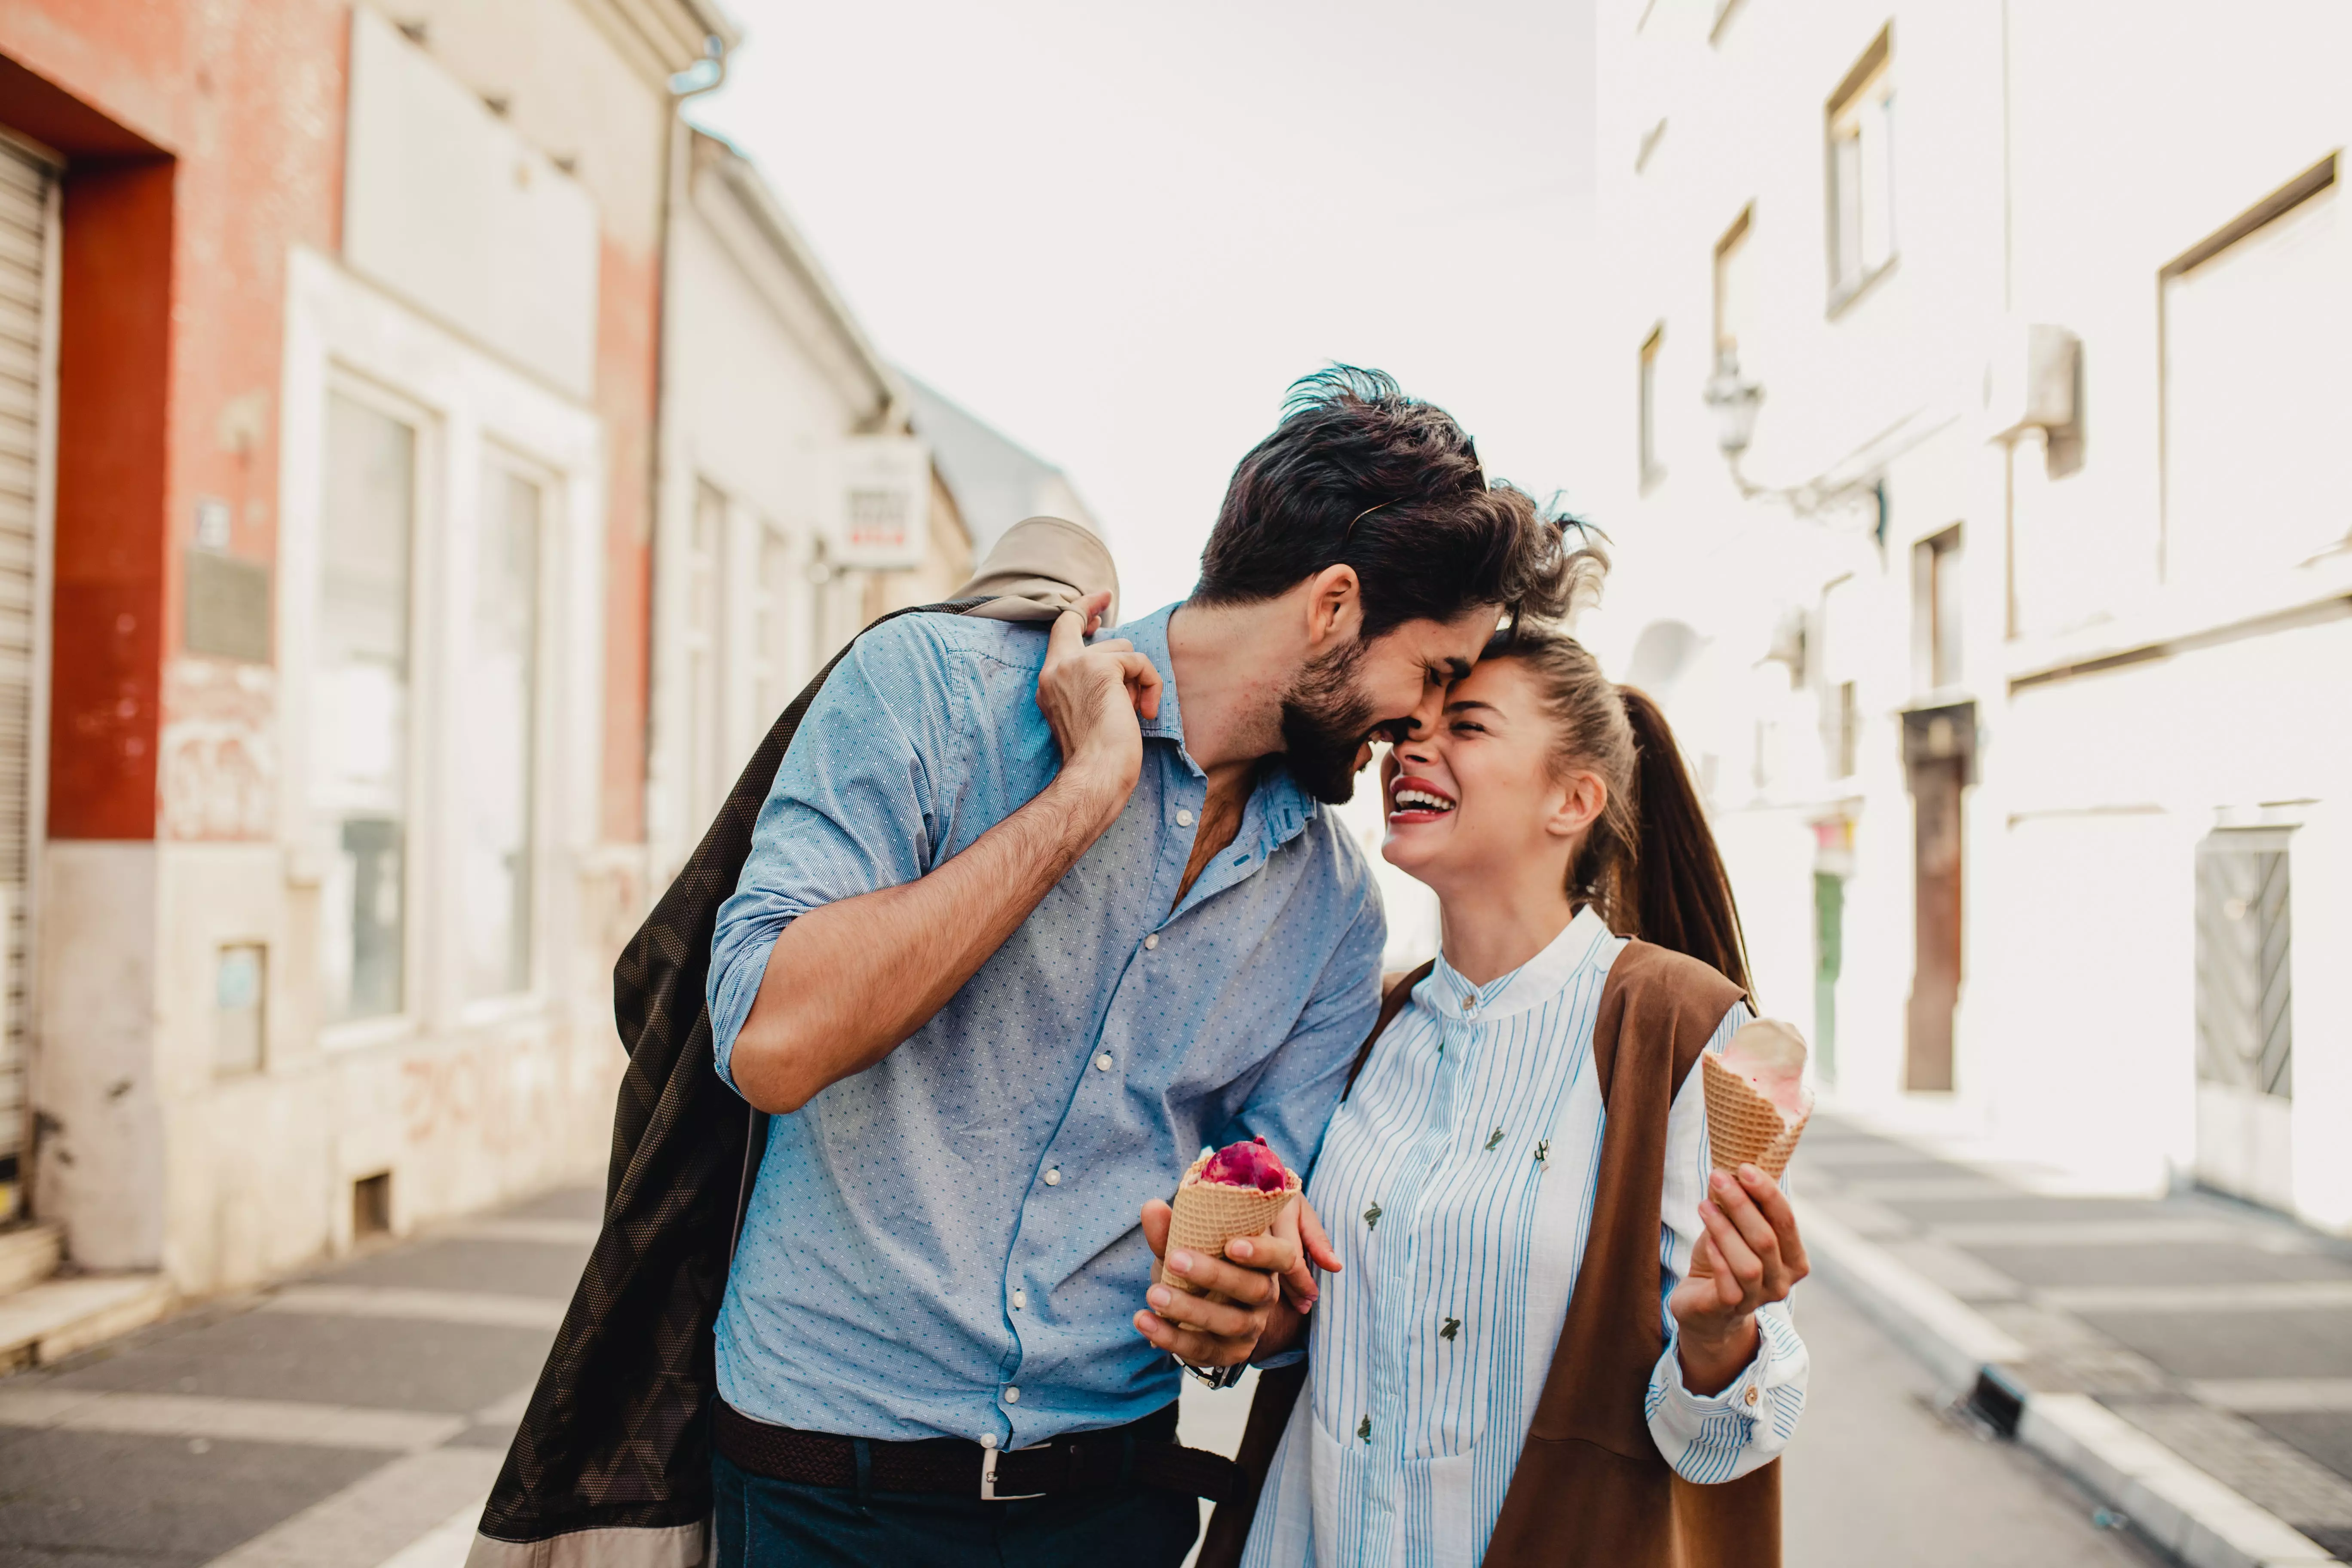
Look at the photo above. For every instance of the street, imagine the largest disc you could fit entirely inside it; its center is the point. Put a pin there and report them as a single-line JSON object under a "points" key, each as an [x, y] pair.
{"points": [[355, 1418]]}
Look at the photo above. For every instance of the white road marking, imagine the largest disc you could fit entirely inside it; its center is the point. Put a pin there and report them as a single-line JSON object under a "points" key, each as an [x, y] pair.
{"points": [[430, 1306], [2255, 1296], [237, 1420], [547, 1232], [443, 1546], [2275, 1396], [377, 1517], [508, 1410], [2119, 1232]]}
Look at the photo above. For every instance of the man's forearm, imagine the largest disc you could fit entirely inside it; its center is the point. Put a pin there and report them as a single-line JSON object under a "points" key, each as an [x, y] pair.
{"points": [[847, 982]]}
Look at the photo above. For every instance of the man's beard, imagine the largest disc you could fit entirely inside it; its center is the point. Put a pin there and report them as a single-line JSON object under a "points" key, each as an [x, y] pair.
{"points": [[1324, 723]]}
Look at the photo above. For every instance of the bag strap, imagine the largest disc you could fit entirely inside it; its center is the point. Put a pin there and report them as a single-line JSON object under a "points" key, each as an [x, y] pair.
{"points": [[1392, 1002]]}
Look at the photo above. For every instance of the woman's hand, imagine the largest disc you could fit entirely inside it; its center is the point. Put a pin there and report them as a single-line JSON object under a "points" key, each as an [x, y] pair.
{"points": [[1751, 1253], [1265, 1278]]}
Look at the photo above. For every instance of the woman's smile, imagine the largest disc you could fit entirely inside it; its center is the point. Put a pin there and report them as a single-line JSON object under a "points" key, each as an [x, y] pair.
{"points": [[1414, 798]]}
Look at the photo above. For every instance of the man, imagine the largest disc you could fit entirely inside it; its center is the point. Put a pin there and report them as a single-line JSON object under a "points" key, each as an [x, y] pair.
{"points": [[1026, 922]]}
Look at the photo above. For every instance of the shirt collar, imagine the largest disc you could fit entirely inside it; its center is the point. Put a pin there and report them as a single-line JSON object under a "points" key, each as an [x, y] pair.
{"points": [[1538, 980], [1285, 808]]}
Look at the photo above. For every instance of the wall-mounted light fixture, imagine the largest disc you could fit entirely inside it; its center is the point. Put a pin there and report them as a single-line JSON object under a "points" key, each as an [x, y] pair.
{"points": [[1734, 398]]}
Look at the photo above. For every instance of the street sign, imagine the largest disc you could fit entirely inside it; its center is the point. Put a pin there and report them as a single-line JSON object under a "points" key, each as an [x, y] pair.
{"points": [[880, 502]]}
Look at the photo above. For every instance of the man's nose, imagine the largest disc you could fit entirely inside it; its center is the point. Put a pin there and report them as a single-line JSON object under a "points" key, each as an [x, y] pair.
{"points": [[1421, 721]]}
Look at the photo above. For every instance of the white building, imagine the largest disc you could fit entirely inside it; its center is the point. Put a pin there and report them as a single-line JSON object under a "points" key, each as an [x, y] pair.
{"points": [[2015, 648], [770, 390]]}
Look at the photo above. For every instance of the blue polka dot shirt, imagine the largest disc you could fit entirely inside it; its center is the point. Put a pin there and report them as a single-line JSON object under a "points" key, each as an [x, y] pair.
{"points": [[946, 1243]]}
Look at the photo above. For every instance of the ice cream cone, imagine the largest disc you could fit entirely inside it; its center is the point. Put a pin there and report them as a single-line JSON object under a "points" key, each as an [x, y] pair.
{"points": [[1210, 1213], [1745, 1128]]}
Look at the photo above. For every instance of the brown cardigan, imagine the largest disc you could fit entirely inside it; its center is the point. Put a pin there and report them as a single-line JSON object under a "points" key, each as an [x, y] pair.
{"points": [[1591, 1490]]}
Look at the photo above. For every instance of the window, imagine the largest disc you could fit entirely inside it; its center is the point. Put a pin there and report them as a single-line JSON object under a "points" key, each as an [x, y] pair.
{"points": [[361, 718], [501, 706], [1651, 472], [771, 654], [1862, 171], [1734, 289], [1849, 729], [1935, 611], [705, 563], [2255, 336]]}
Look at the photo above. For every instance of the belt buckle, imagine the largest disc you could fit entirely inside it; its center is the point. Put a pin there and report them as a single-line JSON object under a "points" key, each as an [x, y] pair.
{"points": [[988, 1492]]}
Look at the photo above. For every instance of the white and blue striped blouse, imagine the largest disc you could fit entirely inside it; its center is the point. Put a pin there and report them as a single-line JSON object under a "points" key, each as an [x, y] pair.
{"points": [[1457, 1184]]}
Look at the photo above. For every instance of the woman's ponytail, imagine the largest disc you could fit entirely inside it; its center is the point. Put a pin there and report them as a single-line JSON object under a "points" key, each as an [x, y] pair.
{"points": [[1679, 893]]}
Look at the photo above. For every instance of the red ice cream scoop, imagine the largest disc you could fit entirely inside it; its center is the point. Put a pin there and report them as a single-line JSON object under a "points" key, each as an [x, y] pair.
{"points": [[1251, 1165]]}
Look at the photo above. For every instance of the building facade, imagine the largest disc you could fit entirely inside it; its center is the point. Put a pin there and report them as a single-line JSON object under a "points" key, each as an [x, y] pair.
{"points": [[1976, 476], [330, 396], [770, 381]]}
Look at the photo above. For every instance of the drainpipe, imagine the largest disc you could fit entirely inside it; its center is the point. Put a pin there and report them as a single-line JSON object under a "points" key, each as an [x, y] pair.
{"points": [[706, 74]]}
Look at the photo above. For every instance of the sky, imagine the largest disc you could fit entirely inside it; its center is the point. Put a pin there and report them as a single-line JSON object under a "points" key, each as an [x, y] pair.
{"points": [[1117, 232]]}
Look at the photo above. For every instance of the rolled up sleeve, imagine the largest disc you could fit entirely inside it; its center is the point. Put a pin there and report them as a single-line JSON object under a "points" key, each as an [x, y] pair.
{"points": [[1720, 1436], [854, 809]]}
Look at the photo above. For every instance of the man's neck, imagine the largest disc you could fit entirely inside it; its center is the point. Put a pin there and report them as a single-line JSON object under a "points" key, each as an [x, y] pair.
{"points": [[1230, 665]]}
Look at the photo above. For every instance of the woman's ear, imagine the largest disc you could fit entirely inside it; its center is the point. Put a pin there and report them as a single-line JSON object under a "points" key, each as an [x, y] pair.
{"points": [[1335, 606], [1577, 805]]}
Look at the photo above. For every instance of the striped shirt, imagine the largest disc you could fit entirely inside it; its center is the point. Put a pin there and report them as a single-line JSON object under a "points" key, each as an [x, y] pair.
{"points": [[1457, 1183]]}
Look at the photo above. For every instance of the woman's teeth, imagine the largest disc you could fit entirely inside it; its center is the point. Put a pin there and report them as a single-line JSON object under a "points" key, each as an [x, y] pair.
{"points": [[1420, 800]]}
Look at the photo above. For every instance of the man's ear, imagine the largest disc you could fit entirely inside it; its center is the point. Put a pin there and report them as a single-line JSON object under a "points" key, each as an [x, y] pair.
{"points": [[1335, 607], [1580, 800]]}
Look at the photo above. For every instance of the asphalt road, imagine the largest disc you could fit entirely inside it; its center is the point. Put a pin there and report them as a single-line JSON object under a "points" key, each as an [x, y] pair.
{"points": [[354, 1420]]}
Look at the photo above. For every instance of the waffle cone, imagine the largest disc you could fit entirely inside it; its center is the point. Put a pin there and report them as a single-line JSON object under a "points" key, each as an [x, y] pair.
{"points": [[1743, 1127], [1210, 1213]]}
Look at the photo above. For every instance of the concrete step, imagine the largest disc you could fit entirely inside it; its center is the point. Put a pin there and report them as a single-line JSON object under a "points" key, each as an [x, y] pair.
{"points": [[52, 1319], [29, 1254]]}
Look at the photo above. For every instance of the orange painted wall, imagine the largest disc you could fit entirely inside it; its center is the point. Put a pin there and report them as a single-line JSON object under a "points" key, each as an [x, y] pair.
{"points": [[241, 111], [171, 337]]}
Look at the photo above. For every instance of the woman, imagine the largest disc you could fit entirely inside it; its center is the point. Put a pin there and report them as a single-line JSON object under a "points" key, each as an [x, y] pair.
{"points": [[1456, 1407]]}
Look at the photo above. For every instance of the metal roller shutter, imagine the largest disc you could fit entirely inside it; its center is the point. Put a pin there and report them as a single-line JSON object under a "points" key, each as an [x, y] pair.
{"points": [[26, 211]]}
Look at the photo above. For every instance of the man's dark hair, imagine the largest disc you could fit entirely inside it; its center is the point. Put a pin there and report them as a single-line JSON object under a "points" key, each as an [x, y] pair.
{"points": [[1358, 474]]}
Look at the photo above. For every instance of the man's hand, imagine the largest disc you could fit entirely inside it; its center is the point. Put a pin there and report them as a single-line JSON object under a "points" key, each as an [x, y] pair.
{"points": [[1751, 1253], [1090, 694], [1266, 1280]]}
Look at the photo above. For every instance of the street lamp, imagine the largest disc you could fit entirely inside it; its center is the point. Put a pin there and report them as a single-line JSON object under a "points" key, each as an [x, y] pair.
{"points": [[1734, 398]]}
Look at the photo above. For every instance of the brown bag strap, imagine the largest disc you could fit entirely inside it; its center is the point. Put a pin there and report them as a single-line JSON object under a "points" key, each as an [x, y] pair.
{"points": [[1392, 1002]]}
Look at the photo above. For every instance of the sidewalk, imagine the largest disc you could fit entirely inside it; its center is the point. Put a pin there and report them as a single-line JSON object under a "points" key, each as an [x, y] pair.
{"points": [[353, 1418], [2188, 1360]]}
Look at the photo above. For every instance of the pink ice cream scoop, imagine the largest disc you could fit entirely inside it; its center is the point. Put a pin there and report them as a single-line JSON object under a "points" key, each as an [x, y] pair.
{"points": [[1771, 1055], [1251, 1165]]}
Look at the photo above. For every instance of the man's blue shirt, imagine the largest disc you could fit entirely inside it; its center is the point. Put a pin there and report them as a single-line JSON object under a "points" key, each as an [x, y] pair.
{"points": [[946, 1243]]}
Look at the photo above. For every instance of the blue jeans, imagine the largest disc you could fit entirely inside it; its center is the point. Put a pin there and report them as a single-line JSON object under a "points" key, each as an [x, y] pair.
{"points": [[764, 1523]]}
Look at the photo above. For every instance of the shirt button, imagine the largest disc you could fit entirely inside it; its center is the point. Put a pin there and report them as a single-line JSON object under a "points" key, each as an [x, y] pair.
{"points": [[1151, 940], [1753, 1396], [1053, 1177], [1183, 819], [1469, 1004], [1012, 1396], [1102, 1062], [1020, 1300], [988, 1439]]}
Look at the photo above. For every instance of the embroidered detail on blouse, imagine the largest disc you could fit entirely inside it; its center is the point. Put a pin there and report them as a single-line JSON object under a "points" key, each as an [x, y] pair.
{"points": [[1453, 1327], [1494, 1138], [1372, 1218], [1364, 1428], [1543, 1153]]}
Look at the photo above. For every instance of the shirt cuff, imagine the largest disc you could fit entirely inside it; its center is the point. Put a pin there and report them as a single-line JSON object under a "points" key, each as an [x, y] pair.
{"points": [[1744, 1395], [1281, 1358]]}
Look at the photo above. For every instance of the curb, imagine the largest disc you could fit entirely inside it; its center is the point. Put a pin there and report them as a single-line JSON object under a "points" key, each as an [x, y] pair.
{"points": [[48, 1322], [2171, 1501]]}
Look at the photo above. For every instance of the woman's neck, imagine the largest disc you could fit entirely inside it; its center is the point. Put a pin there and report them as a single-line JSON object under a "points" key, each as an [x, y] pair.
{"points": [[1504, 922]]}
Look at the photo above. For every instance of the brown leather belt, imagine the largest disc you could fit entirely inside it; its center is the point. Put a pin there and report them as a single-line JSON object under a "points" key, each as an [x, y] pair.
{"points": [[1142, 1453]]}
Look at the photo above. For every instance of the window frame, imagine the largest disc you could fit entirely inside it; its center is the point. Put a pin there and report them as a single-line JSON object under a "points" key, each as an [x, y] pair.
{"points": [[1651, 467], [1871, 76], [472, 411], [1731, 248]]}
